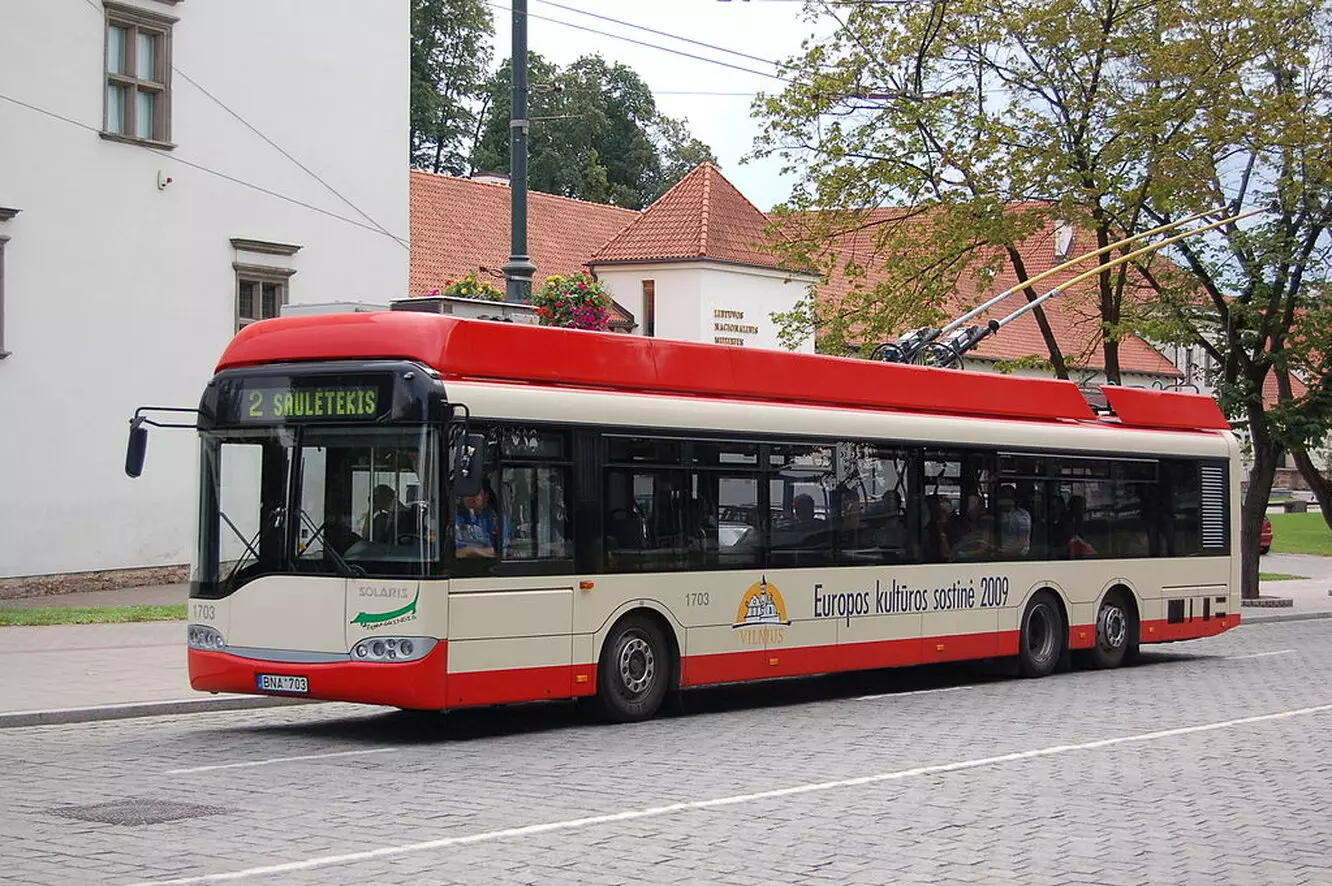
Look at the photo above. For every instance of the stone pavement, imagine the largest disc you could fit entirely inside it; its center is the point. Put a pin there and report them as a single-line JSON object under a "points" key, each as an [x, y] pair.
{"points": [[1206, 764], [71, 673]]}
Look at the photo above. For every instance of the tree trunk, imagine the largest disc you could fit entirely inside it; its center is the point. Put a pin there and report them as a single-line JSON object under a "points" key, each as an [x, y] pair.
{"points": [[1254, 509], [1318, 482], [1056, 353]]}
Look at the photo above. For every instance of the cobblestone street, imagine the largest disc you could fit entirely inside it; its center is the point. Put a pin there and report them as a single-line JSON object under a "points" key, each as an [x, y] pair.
{"points": [[1206, 763]]}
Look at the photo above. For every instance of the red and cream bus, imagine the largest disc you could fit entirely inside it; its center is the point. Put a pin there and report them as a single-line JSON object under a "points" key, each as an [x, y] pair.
{"points": [[419, 511]]}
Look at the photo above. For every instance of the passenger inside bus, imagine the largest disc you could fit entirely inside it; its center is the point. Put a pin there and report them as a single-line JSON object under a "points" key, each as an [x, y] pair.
{"points": [[477, 525]]}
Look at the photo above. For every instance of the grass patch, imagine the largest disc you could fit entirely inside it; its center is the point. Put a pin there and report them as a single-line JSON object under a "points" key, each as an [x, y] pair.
{"points": [[1301, 533], [85, 615], [1277, 576]]}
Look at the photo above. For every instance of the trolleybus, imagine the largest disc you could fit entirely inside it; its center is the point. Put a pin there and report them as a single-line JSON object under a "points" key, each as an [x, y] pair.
{"points": [[425, 512]]}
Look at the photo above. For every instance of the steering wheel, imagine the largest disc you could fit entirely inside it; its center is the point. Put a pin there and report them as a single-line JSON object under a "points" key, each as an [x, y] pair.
{"points": [[409, 538]]}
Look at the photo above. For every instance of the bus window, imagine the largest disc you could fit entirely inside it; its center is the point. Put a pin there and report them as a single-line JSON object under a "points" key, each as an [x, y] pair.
{"points": [[645, 521], [1088, 494], [725, 531], [521, 515], [873, 492], [961, 523], [800, 483], [368, 498], [534, 506], [1134, 528]]}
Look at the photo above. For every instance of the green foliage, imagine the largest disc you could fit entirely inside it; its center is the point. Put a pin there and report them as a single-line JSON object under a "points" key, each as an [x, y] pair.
{"points": [[449, 61], [981, 121], [470, 287], [596, 133], [577, 301], [1031, 361], [68, 615]]}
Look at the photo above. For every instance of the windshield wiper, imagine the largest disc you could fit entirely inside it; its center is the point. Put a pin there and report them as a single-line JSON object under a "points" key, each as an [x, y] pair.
{"points": [[249, 546]]}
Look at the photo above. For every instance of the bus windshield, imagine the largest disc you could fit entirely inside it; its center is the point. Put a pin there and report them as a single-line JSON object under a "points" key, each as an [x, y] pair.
{"points": [[325, 500]]}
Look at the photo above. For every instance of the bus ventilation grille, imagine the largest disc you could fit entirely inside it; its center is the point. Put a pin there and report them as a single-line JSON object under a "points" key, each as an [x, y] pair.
{"points": [[1213, 507]]}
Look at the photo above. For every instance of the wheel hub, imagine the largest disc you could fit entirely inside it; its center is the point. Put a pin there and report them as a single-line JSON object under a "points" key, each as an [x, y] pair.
{"points": [[638, 666], [1113, 627]]}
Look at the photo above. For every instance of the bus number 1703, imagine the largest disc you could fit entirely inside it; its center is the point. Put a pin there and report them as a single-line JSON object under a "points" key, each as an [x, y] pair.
{"points": [[696, 599]]}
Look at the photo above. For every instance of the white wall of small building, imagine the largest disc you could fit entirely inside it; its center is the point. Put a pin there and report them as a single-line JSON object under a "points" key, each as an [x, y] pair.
{"points": [[119, 294], [712, 302]]}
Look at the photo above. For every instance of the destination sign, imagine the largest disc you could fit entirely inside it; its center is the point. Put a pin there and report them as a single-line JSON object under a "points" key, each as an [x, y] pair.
{"points": [[287, 404]]}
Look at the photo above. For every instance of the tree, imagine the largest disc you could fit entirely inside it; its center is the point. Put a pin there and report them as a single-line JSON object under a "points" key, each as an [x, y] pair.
{"points": [[596, 133], [984, 121], [450, 57]]}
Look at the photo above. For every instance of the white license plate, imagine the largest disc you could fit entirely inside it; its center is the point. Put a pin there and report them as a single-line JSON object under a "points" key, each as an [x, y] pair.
{"points": [[283, 683]]}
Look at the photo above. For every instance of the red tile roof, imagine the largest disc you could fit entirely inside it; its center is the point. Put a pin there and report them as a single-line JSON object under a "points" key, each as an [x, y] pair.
{"points": [[1270, 394], [459, 226], [702, 217], [1074, 316]]}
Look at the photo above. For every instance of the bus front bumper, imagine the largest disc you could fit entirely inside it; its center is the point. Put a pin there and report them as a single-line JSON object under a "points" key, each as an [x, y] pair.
{"points": [[417, 685]]}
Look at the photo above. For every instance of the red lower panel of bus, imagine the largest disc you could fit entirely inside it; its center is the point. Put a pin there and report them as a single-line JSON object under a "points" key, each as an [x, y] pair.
{"points": [[416, 684], [729, 667], [521, 684], [1161, 631]]}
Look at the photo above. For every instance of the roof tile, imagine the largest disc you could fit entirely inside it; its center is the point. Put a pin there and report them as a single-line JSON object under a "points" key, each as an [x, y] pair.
{"points": [[703, 216], [460, 226]]}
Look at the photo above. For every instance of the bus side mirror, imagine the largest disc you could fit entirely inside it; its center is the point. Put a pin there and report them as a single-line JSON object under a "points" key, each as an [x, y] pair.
{"points": [[468, 474], [136, 450]]}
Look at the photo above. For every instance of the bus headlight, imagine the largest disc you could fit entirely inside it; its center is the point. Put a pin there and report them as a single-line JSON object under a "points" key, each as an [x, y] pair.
{"points": [[392, 649], [204, 637]]}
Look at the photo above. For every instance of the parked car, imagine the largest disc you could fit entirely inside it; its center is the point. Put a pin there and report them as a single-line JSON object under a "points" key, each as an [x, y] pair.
{"points": [[1265, 537]]}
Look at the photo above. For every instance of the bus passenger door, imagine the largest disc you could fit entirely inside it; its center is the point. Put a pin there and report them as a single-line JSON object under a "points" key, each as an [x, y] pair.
{"points": [[510, 640]]}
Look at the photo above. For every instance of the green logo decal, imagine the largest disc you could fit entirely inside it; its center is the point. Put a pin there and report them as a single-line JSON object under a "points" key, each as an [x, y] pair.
{"points": [[374, 618]]}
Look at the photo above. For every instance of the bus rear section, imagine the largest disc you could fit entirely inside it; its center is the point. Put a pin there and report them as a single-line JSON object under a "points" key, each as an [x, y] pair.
{"points": [[318, 571]]}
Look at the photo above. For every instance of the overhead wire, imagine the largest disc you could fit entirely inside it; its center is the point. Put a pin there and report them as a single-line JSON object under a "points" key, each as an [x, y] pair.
{"points": [[177, 159], [712, 46], [637, 42]]}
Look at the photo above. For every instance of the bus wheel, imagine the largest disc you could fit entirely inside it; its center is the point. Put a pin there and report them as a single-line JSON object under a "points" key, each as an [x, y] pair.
{"points": [[1042, 637], [634, 672], [1114, 632]]}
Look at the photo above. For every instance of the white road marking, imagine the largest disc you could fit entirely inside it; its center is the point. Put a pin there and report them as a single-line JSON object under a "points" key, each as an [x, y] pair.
{"points": [[655, 811], [272, 760], [1259, 654], [912, 692]]}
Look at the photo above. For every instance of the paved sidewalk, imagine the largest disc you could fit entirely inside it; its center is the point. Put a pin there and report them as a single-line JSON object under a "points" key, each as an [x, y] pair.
{"points": [[74, 673]]}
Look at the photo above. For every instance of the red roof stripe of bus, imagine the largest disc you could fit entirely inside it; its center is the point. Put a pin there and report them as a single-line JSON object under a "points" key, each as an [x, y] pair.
{"points": [[488, 350], [1165, 409]]}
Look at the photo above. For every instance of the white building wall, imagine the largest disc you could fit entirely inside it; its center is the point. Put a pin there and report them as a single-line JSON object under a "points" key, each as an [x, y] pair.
{"points": [[678, 288], [119, 294], [710, 302]]}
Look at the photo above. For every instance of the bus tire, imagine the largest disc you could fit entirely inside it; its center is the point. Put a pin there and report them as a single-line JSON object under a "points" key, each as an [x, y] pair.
{"points": [[1042, 636], [1114, 633], [635, 670]]}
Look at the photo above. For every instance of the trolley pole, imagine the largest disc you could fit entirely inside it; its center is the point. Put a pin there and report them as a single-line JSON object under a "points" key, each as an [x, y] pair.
{"points": [[518, 269]]}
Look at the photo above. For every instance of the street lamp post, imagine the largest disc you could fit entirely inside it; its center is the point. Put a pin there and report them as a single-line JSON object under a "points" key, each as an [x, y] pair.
{"points": [[519, 268]]}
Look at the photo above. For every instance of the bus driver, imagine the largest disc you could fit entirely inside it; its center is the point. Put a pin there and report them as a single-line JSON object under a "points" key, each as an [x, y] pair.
{"points": [[476, 525]]}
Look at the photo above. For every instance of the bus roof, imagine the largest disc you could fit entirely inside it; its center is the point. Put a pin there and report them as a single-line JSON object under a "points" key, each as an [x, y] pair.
{"points": [[523, 353]]}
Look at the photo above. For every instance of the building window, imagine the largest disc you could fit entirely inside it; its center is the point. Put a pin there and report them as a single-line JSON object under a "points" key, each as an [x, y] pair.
{"points": [[138, 75], [3, 353], [260, 293], [649, 307]]}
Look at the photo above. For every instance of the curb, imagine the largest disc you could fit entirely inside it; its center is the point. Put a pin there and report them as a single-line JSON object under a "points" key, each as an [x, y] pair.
{"points": [[145, 709], [1268, 617]]}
